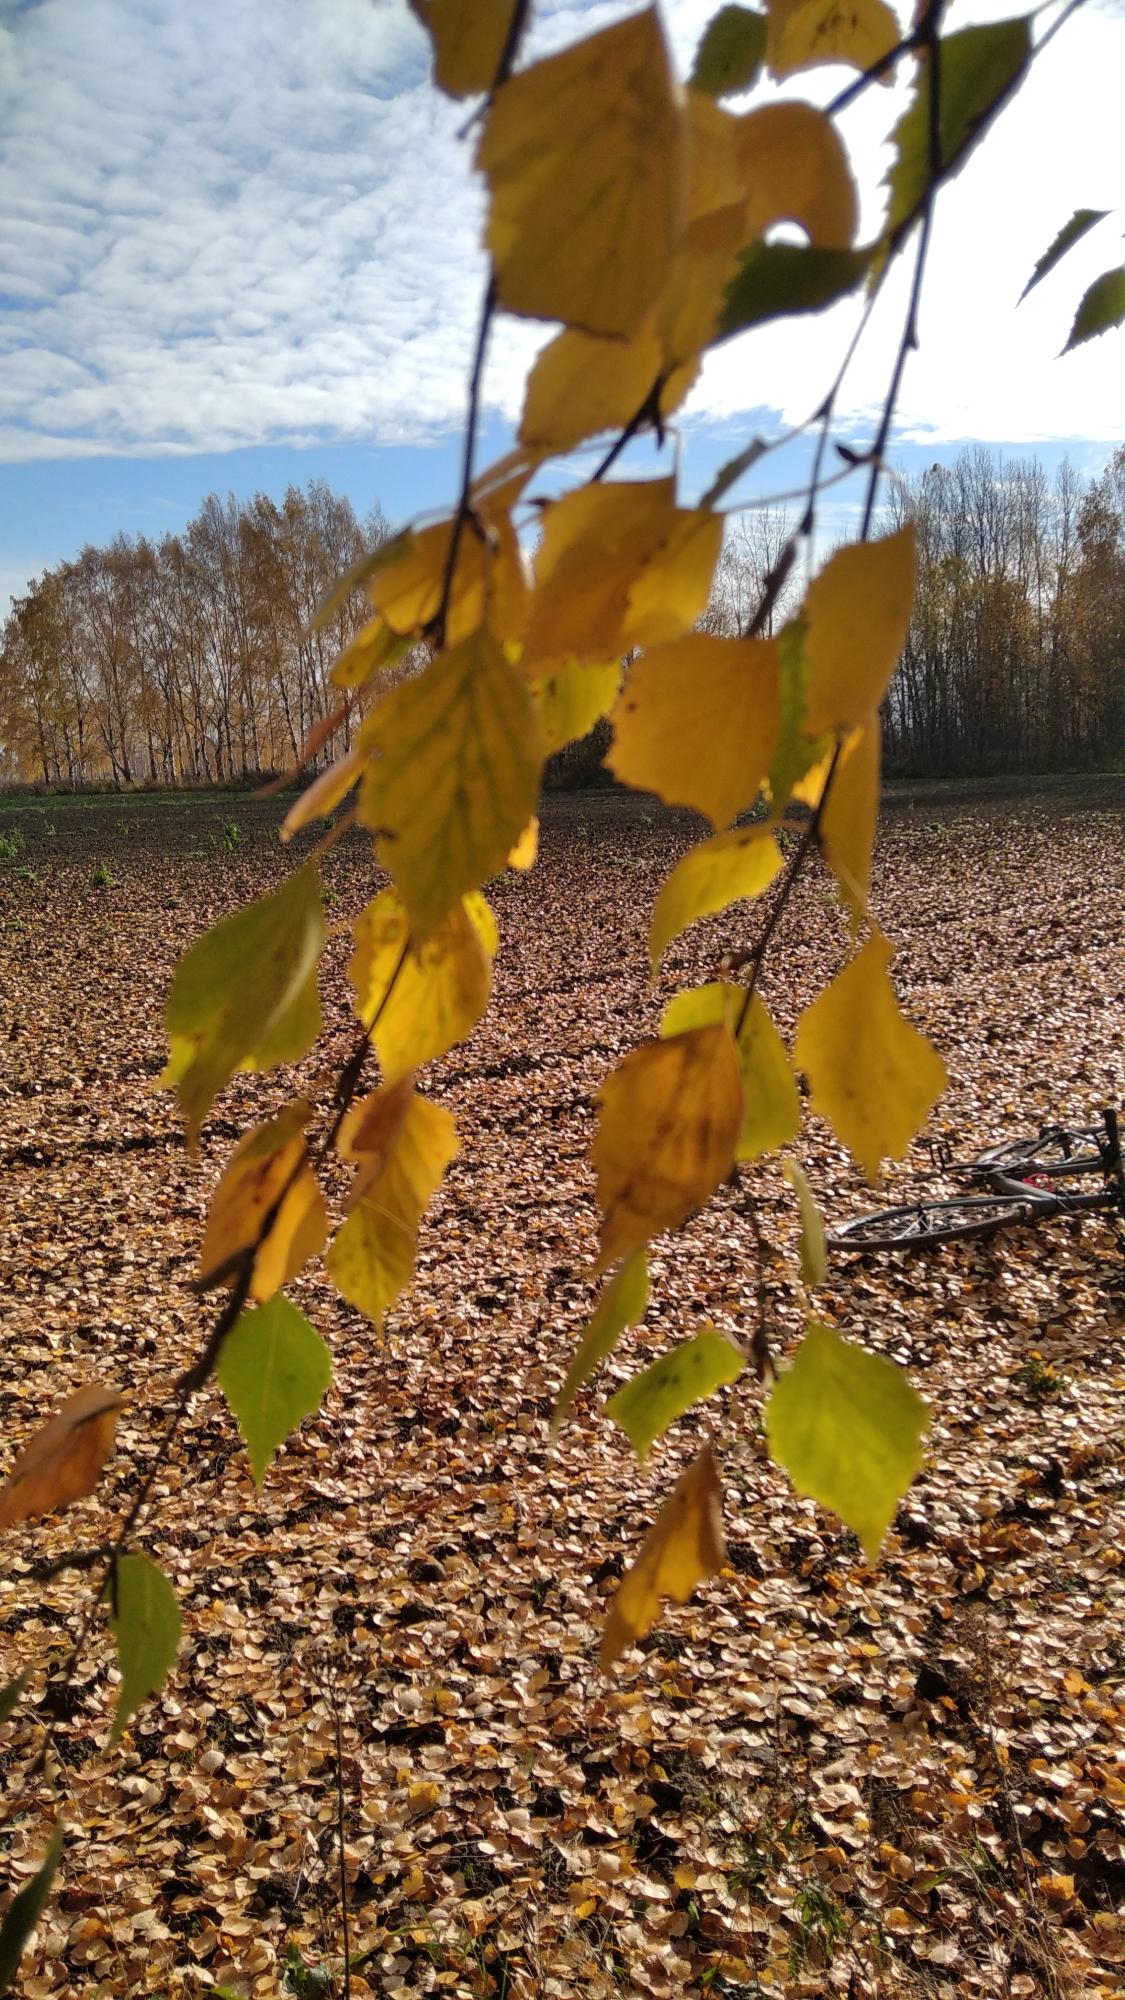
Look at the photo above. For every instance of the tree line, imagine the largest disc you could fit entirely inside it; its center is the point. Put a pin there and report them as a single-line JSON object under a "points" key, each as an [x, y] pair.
{"points": [[1015, 658], [189, 660], [195, 659]]}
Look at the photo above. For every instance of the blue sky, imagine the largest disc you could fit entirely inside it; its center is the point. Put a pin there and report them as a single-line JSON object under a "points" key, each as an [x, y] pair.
{"points": [[239, 247]]}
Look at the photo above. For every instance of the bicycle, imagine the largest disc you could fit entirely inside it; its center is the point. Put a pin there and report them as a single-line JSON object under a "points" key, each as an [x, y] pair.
{"points": [[1022, 1180]]}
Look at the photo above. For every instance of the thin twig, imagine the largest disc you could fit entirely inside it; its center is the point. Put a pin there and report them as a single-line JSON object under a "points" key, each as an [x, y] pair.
{"points": [[645, 413], [929, 37], [759, 1340], [873, 74], [788, 883], [508, 53], [241, 1268], [510, 49], [464, 504], [43, 1571]]}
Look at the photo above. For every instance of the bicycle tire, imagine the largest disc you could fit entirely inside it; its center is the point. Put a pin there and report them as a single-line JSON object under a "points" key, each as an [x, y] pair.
{"points": [[1046, 1154], [925, 1224]]}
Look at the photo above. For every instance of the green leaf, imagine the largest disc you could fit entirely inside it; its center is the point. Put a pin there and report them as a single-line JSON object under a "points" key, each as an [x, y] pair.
{"points": [[796, 753], [24, 1912], [980, 68], [814, 1255], [273, 1370], [146, 1625], [651, 1401], [10, 1694], [772, 1106], [244, 997], [846, 1426], [730, 53], [774, 279], [621, 1304], [1102, 307], [1071, 233]]}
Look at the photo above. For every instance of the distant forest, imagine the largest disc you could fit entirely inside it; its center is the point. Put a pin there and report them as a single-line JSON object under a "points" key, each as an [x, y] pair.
{"points": [[193, 659]]}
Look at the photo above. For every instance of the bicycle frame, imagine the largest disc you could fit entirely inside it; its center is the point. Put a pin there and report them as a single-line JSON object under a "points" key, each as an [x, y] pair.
{"points": [[1023, 1175]]}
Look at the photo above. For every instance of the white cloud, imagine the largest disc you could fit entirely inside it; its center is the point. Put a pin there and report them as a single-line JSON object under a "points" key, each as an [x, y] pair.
{"points": [[235, 223]]}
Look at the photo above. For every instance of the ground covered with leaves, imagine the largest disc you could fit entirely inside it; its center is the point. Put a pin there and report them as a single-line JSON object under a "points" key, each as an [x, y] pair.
{"points": [[818, 1776]]}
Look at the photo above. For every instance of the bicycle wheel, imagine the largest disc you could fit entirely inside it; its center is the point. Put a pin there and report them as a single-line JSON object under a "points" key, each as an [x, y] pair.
{"points": [[1051, 1153], [925, 1223]]}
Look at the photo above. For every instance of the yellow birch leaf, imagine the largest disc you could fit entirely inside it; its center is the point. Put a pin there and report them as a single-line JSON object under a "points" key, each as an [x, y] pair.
{"points": [[357, 576], [489, 576], [716, 183], [847, 828], [684, 1545], [772, 1114], [455, 777], [324, 794], [585, 155], [423, 997], [697, 723], [850, 815], [795, 169], [686, 312], [571, 700], [259, 1169], [669, 1121], [244, 996], [872, 1075], [805, 33], [726, 869], [64, 1458], [402, 1144], [617, 565], [857, 616], [673, 588], [373, 648], [370, 1129], [469, 37], [583, 383], [320, 733], [526, 849]]}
